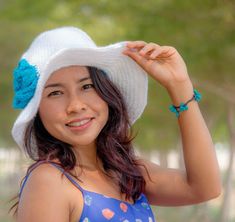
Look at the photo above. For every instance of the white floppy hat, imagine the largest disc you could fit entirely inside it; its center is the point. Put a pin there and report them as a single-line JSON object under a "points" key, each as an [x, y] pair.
{"points": [[67, 46]]}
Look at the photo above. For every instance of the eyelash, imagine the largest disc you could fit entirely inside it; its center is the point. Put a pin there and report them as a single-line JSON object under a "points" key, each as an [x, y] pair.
{"points": [[90, 86], [54, 93]]}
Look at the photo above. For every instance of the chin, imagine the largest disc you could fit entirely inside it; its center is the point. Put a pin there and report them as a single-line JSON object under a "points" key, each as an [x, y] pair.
{"points": [[82, 140], [83, 143]]}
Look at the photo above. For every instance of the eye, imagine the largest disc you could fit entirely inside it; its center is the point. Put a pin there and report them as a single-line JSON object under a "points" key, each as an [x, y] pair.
{"points": [[88, 86], [55, 93]]}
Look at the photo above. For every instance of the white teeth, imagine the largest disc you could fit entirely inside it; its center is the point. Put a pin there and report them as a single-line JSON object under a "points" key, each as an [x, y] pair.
{"points": [[79, 123]]}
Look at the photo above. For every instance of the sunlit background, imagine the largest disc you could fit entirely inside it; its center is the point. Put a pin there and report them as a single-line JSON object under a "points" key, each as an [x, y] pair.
{"points": [[203, 31]]}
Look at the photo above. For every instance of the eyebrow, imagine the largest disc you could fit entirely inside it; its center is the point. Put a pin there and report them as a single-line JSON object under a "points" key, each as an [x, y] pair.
{"points": [[62, 85]]}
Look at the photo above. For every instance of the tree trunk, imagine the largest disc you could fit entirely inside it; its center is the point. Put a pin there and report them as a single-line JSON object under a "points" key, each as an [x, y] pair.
{"points": [[226, 207]]}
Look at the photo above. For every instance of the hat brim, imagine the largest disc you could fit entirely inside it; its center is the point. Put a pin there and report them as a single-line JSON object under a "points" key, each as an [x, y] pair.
{"points": [[125, 73]]}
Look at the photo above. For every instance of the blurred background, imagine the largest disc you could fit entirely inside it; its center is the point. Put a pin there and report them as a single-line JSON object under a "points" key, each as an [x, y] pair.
{"points": [[203, 31]]}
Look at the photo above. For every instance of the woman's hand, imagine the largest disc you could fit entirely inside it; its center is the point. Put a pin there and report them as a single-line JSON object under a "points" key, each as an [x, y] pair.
{"points": [[163, 63], [200, 181]]}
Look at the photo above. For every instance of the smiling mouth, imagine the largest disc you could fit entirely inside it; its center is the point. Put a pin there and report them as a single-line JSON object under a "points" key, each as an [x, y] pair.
{"points": [[79, 123]]}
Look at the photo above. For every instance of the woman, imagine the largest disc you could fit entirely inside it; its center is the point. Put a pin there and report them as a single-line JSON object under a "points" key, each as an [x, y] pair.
{"points": [[79, 102]]}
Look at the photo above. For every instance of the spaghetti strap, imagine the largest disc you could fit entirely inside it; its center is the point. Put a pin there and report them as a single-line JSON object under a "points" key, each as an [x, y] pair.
{"points": [[22, 187], [105, 207], [68, 176], [55, 165]]}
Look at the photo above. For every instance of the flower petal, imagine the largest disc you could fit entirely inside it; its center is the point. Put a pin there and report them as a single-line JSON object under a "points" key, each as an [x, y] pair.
{"points": [[25, 82]]}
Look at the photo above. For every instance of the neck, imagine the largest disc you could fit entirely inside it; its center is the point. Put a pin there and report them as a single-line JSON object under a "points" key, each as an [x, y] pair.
{"points": [[86, 157]]}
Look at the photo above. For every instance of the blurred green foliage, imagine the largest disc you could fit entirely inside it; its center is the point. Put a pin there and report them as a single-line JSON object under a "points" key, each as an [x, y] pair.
{"points": [[202, 31]]}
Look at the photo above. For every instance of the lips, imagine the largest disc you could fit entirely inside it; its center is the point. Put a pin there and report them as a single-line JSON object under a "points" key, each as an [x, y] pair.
{"points": [[79, 122]]}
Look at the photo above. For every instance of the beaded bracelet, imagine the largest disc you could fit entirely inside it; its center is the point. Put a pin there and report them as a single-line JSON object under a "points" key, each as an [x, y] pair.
{"points": [[183, 106]]}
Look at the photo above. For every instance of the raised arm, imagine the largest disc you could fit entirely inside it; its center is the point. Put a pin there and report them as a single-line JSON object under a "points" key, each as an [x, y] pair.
{"points": [[201, 180]]}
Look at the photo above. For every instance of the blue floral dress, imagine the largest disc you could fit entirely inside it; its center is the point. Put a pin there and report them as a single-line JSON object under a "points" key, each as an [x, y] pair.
{"points": [[100, 208]]}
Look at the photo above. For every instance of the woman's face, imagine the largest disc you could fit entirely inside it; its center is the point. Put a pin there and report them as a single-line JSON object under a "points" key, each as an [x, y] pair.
{"points": [[70, 108]]}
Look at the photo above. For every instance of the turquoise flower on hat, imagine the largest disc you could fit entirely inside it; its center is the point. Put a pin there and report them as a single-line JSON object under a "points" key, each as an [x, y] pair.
{"points": [[25, 82]]}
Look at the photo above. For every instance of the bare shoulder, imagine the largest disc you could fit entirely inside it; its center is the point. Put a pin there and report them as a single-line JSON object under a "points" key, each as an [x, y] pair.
{"points": [[44, 196], [45, 173]]}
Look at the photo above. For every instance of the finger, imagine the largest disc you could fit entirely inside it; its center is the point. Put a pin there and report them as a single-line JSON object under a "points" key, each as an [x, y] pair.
{"points": [[163, 51], [136, 57], [132, 52], [155, 53], [147, 49], [168, 50], [136, 44]]}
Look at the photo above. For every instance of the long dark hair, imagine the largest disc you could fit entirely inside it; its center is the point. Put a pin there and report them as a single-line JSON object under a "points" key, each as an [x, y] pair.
{"points": [[114, 143]]}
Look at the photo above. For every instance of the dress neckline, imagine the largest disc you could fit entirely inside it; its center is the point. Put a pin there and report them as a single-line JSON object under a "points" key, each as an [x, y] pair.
{"points": [[100, 194], [113, 198]]}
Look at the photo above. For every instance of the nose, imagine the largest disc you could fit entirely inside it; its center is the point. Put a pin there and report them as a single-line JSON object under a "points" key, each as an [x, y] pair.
{"points": [[75, 105]]}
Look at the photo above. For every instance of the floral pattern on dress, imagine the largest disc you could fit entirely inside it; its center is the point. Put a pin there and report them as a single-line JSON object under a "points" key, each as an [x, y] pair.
{"points": [[140, 209], [145, 205], [100, 208], [86, 220], [123, 207], [88, 200], [107, 213]]}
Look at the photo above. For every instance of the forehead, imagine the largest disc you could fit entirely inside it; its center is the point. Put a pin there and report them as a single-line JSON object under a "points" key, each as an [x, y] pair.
{"points": [[65, 73]]}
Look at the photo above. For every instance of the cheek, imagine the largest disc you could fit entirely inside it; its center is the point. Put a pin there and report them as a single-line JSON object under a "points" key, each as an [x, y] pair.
{"points": [[105, 110], [48, 114], [100, 106], [45, 116]]}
